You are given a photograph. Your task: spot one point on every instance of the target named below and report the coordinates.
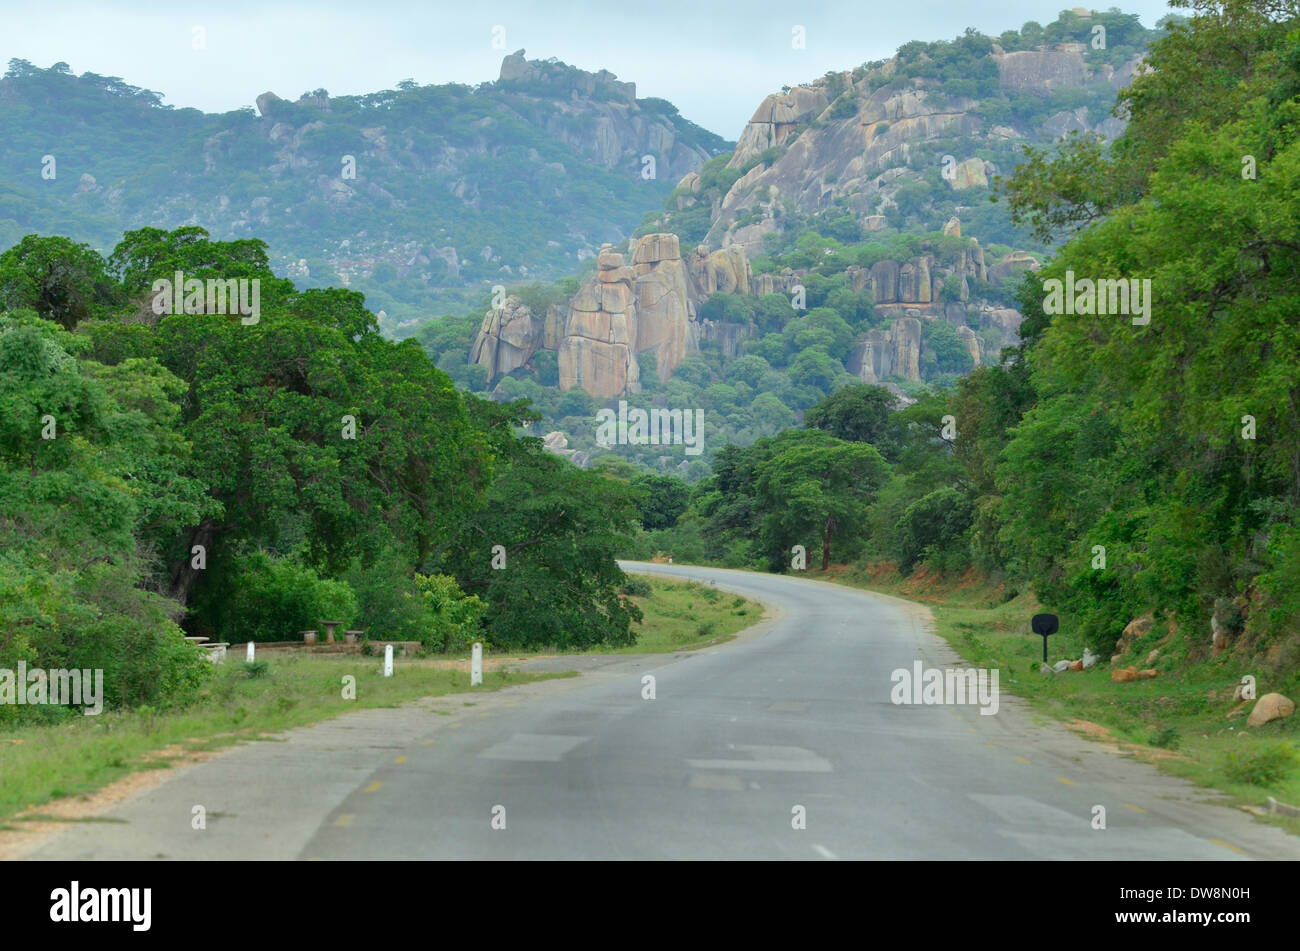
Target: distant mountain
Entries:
(906, 143)
(851, 236)
(421, 197)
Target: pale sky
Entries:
(714, 60)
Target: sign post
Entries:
(1045, 625)
(476, 666)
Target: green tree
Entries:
(815, 486)
(857, 413)
(58, 279)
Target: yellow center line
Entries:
(452, 726)
(400, 759)
(1228, 846)
(427, 743)
(971, 728)
(1129, 805)
(1021, 759)
(1066, 781)
(373, 786)
(344, 820)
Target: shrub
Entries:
(256, 668)
(1265, 768)
(453, 617)
(636, 588)
(272, 599)
(1167, 738)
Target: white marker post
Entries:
(249, 658)
(476, 666)
(388, 660)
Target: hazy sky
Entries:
(714, 61)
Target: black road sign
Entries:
(1045, 625)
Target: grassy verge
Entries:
(41, 763)
(686, 615)
(1178, 721)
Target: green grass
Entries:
(685, 615)
(1171, 720)
(41, 763)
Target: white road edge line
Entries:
(823, 851)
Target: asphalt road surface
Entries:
(793, 719)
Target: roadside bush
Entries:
(454, 618)
(272, 599)
(95, 621)
(1265, 768)
(636, 588)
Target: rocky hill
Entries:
(646, 305)
(849, 141)
(851, 235)
(849, 144)
(421, 197)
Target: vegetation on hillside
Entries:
(1112, 468)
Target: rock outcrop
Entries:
(726, 270)
(893, 351)
(1271, 706)
(1012, 266)
(605, 118)
(557, 443)
(663, 303)
(508, 338)
(775, 118)
(853, 139)
(515, 68)
(648, 301)
(647, 306)
(598, 351)
(1040, 71)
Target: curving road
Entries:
(795, 713)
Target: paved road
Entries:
(797, 713)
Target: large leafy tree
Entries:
(814, 486)
(91, 474)
(59, 279)
(856, 413)
(558, 530)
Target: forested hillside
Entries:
(414, 195)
